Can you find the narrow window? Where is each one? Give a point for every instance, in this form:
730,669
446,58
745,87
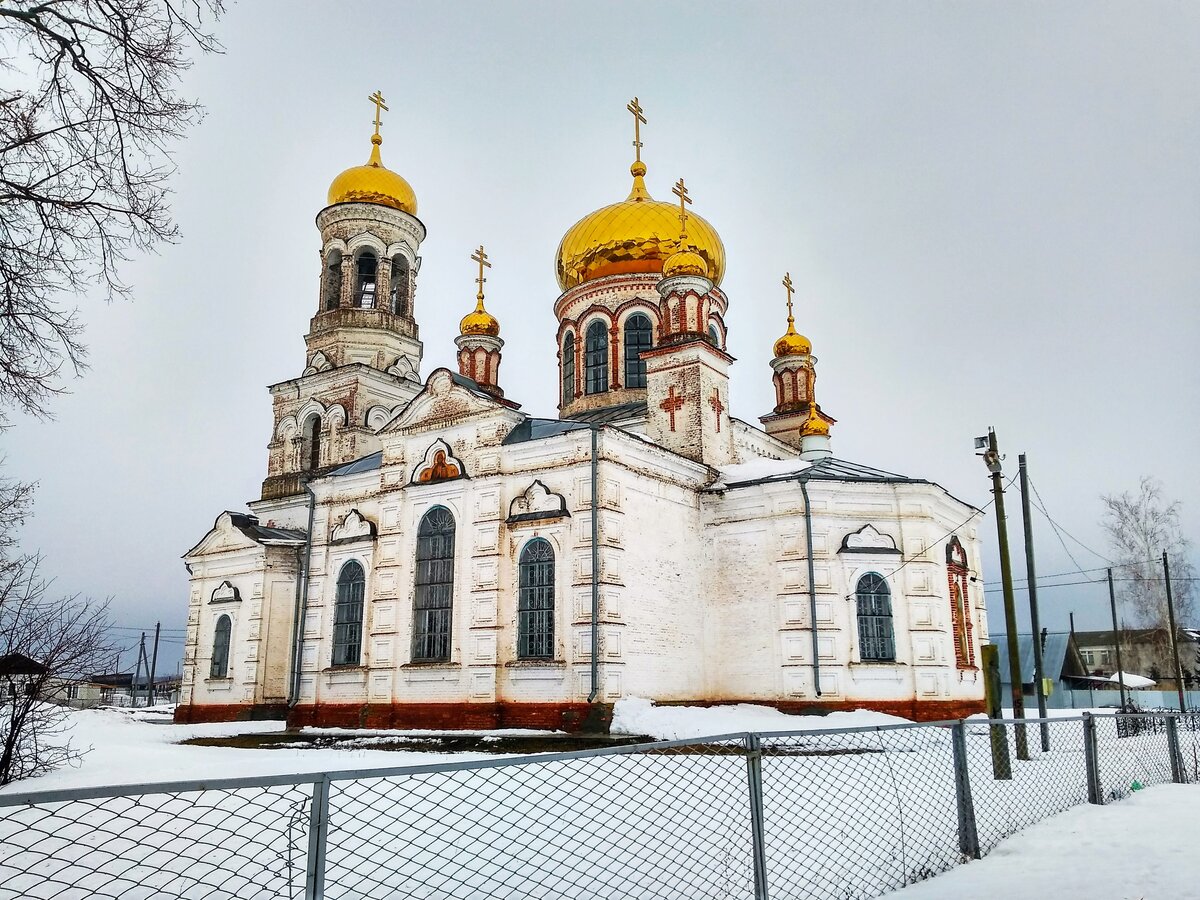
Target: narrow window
962,635
637,339
567,364
596,361
333,280
714,335
348,616
875,636
220,655
399,299
535,604
310,444
435,586
366,280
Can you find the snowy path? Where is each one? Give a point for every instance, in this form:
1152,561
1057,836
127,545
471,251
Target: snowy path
1142,847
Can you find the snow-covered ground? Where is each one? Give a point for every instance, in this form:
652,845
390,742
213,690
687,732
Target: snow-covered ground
670,723
1141,847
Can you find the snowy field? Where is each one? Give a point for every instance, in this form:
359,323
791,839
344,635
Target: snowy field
846,815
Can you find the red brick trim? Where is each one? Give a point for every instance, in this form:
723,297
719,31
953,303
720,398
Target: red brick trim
229,712
572,717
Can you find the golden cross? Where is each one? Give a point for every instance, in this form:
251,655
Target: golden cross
680,191
787,283
377,99
638,121
480,257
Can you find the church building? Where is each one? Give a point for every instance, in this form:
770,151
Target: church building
425,554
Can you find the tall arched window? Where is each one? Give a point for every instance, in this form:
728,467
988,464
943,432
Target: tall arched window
637,339
568,368
714,335
435,586
960,603
332,281
399,300
348,616
365,290
220,654
535,603
596,361
876,639
310,444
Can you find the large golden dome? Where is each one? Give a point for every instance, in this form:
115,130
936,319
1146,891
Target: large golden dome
636,235
373,183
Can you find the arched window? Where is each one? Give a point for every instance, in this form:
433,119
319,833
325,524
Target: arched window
332,287
435,586
960,604
714,335
365,292
637,339
876,639
310,444
535,603
220,654
399,300
348,616
596,361
568,368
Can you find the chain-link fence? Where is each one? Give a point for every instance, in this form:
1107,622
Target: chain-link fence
844,814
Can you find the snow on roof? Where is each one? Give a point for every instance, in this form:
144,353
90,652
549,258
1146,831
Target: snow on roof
757,469
1131,680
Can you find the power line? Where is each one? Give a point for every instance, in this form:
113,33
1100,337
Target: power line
1041,505
1151,561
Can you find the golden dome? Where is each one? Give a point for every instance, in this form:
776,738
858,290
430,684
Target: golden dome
685,262
793,343
373,183
816,425
480,321
636,235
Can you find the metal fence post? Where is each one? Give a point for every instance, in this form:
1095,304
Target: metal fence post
1090,759
1178,773
968,838
318,830
754,781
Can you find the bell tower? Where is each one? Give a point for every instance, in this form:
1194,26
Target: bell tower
363,349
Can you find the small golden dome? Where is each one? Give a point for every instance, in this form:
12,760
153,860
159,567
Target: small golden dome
373,183
816,425
685,262
480,321
793,343
636,235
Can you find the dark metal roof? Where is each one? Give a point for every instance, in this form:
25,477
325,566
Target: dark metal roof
262,534
1059,656
537,429
831,469
20,664
366,464
606,414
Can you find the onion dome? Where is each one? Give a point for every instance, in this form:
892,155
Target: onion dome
793,343
636,235
480,321
815,425
373,183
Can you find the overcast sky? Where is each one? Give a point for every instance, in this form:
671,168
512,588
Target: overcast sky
991,212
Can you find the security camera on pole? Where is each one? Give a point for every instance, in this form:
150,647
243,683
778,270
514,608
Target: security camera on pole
991,459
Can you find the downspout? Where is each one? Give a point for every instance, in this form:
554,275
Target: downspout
595,572
812,586
300,612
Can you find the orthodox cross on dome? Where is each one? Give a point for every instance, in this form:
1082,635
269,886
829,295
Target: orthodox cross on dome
480,257
672,405
787,283
680,191
718,407
377,99
638,121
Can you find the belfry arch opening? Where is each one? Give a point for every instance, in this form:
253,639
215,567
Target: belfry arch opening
367,267
400,293
310,444
331,281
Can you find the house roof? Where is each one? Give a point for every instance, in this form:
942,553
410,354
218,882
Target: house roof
1131,636
20,664
248,525
1059,656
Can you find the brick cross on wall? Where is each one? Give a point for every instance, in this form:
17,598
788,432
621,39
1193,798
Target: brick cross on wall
718,407
672,405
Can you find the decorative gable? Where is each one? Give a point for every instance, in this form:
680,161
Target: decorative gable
444,402
537,502
225,593
868,539
354,527
439,464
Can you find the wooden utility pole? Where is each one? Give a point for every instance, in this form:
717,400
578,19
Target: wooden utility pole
1112,602
992,460
137,672
1039,674
153,664
1174,635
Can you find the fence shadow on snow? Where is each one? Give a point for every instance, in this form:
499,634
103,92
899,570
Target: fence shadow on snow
841,814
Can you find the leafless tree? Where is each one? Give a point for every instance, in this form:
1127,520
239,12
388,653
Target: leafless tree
1140,526
88,111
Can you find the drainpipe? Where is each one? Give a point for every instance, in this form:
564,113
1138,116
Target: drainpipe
812,586
595,572
300,611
